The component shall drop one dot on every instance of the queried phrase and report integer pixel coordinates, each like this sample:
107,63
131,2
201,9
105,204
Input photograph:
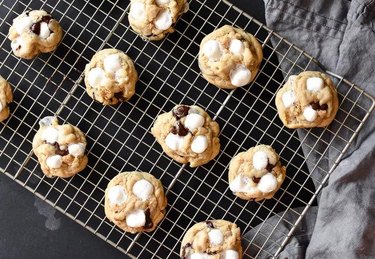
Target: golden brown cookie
135,201
307,100
34,32
154,19
188,135
256,174
6,97
60,148
214,239
110,77
229,57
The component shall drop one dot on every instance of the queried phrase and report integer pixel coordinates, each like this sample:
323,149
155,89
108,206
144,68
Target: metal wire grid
119,137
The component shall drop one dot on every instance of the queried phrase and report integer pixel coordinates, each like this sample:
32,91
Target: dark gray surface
30,228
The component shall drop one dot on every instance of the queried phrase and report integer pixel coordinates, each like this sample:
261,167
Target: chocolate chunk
270,167
211,252
119,96
180,129
35,28
188,245
59,151
324,106
317,106
46,18
180,111
210,224
148,223
255,179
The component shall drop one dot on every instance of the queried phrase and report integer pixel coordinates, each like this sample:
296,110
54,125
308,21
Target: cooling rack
119,137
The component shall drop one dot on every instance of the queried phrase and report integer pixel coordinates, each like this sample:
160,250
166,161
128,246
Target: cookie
135,201
188,135
216,239
110,77
6,97
34,32
256,174
307,100
60,148
229,57
154,19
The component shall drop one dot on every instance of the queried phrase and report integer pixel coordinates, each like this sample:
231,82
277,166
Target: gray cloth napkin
341,35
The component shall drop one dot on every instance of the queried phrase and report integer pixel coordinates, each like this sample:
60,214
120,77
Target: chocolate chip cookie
229,57
135,201
60,148
188,135
6,97
307,100
34,32
256,174
110,77
154,19
214,239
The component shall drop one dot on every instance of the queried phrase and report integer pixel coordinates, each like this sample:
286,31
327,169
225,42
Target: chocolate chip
317,106
46,18
179,129
35,28
180,111
148,223
255,179
27,12
211,252
210,224
188,245
59,151
119,96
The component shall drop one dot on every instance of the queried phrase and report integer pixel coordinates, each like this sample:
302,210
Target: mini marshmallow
96,77
240,184
22,24
138,11
267,183
136,219
314,84
260,160
112,63
54,162
164,20
236,47
240,76
117,195
47,121
174,142
288,98
143,189
199,144
76,150
162,2
16,44
212,50
194,121
216,237
1,107
230,254
50,135
44,30
309,113
199,256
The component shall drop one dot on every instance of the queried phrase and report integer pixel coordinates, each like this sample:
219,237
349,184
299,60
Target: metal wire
119,137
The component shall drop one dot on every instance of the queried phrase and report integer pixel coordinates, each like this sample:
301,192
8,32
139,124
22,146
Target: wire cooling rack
119,137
